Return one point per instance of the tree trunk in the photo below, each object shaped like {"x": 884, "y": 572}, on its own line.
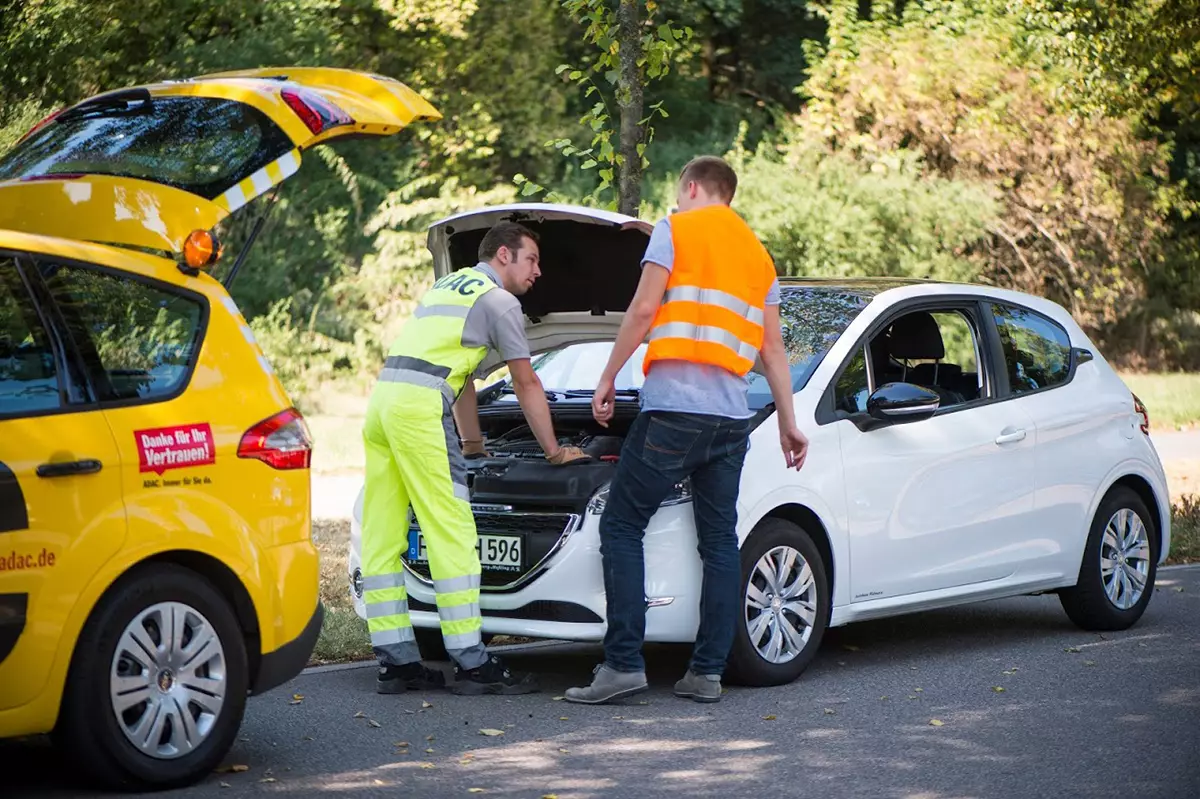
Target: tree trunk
{"x": 629, "y": 92}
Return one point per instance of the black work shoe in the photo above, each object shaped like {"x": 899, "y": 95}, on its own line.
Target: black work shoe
{"x": 493, "y": 677}
{"x": 409, "y": 677}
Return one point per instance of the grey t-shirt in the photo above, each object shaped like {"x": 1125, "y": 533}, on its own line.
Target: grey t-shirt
{"x": 496, "y": 321}
{"x": 683, "y": 386}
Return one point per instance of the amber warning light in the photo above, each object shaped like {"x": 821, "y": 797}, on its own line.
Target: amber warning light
{"x": 201, "y": 249}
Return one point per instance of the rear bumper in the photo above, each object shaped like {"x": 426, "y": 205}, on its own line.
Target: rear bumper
{"x": 290, "y": 659}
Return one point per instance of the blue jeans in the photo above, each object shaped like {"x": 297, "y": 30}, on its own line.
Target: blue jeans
{"x": 661, "y": 450}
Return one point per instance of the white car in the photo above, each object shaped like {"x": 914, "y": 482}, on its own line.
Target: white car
{"x": 967, "y": 443}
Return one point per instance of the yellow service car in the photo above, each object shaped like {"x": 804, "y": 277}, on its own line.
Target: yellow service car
{"x": 156, "y": 562}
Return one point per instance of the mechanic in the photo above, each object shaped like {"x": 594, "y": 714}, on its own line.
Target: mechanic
{"x": 709, "y": 299}
{"x": 414, "y": 457}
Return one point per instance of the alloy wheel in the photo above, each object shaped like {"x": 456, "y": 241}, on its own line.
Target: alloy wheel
{"x": 168, "y": 680}
{"x": 780, "y": 604}
{"x": 1125, "y": 558}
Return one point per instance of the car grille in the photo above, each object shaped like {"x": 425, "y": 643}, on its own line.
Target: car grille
{"x": 541, "y": 532}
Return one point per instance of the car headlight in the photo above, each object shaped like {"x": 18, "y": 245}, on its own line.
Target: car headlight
{"x": 682, "y": 492}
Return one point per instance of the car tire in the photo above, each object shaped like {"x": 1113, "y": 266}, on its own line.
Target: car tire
{"x": 747, "y": 664}
{"x": 1089, "y": 603}
{"x": 133, "y": 610}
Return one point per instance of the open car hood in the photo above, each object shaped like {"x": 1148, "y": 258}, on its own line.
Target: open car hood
{"x": 145, "y": 166}
{"x": 590, "y": 262}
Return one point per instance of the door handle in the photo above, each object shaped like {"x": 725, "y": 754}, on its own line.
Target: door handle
{"x": 1011, "y": 438}
{"x": 69, "y": 468}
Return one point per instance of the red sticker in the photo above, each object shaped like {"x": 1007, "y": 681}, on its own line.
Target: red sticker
{"x": 175, "y": 447}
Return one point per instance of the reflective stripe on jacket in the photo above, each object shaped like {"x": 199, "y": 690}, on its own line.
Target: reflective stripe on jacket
{"x": 429, "y": 350}
{"x": 712, "y": 312}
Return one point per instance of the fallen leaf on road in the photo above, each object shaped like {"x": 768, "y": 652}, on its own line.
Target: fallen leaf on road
{"x": 1009, "y": 672}
{"x": 829, "y": 711}
{"x": 998, "y": 689}
{"x": 491, "y": 732}
{"x": 565, "y": 751}
{"x": 912, "y": 696}
{"x": 935, "y": 723}
{"x": 912, "y": 668}
{"x": 1089, "y": 663}
{"x": 769, "y": 718}
{"x": 308, "y": 738}
{"x": 883, "y": 697}
{"x": 425, "y": 704}
{"x": 267, "y": 779}
{"x": 841, "y": 663}
{"x": 1072, "y": 649}
{"x": 429, "y": 751}
{"x": 410, "y": 712}
{"x": 644, "y": 702}
{"x": 400, "y": 743}
{"x": 549, "y": 796}
{"x": 618, "y": 718}
{"x": 559, "y": 698}
{"x": 476, "y": 790}
{"x": 428, "y": 765}
{"x": 237, "y": 768}
{"x": 1179, "y": 589}
{"x": 918, "y": 690}
{"x": 429, "y": 737}
{"x": 225, "y": 785}
{"x": 563, "y": 718}
{"x": 379, "y": 782}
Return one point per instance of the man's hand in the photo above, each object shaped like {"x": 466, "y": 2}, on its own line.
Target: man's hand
{"x": 795, "y": 446}
{"x": 474, "y": 449}
{"x": 565, "y": 455}
{"x": 603, "y": 401}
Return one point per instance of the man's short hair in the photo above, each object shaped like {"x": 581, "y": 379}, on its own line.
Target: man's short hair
{"x": 711, "y": 172}
{"x": 504, "y": 234}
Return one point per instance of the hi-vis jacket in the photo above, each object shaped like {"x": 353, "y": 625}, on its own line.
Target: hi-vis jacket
{"x": 712, "y": 312}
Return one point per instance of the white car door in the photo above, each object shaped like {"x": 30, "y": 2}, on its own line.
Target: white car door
{"x": 945, "y": 501}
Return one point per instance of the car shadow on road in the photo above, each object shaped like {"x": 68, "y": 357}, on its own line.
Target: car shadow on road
{"x": 831, "y": 729}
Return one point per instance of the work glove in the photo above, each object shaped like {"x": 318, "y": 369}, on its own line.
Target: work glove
{"x": 567, "y": 455}
{"x": 474, "y": 449}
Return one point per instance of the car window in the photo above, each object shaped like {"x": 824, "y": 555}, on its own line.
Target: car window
{"x": 1037, "y": 351}
{"x": 937, "y": 350}
{"x": 28, "y": 377}
{"x": 579, "y": 366}
{"x": 851, "y": 389}
{"x": 141, "y": 338}
{"x": 202, "y": 145}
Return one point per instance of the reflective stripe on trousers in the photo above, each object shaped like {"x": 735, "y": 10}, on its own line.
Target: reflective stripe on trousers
{"x": 410, "y": 461}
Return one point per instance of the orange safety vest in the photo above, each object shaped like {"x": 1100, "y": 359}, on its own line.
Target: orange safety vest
{"x": 712, "y": 312}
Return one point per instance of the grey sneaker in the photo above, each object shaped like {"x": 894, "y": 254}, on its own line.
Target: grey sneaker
{"x": 699, "y": 687}
{"x": 608, "y": 685}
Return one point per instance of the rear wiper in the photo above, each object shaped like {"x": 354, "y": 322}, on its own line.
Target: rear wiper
{"x": 110, "y": 104}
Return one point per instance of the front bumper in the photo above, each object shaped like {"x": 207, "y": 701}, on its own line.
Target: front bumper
{"x": 566, "y": 601}
{"x": 290, "y": 659}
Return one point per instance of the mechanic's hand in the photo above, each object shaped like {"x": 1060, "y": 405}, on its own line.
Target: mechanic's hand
{"x": 565, "y": 455}
{"x": 474, "y": 449}
{"x": 795, "y": 447}
{"x": 603, "y": 401}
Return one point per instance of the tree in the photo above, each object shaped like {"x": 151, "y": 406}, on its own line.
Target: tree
{"x": 632, "y": 51}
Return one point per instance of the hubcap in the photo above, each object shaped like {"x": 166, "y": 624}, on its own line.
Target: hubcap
{"x": 1125, "y": 559}
{"x": 780, "y": 604}
{"x": 168, "y": 680}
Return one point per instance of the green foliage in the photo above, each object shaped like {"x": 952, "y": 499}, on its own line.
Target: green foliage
{"x": 660, "y": 43}
{"x": 831, "y": 215}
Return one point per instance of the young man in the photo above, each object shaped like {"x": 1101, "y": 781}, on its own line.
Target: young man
{"x": 414, "y": 456}
{"x": 709, "y": 300}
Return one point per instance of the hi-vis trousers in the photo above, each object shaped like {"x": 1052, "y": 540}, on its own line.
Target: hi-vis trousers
{"x": 413, "y": 456}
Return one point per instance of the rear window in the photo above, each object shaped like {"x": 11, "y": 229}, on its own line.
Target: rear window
{"x": 203, "y": 145}
{"x": 141, "y": 340}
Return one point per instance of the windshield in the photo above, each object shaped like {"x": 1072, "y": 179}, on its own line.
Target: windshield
{"x": 203, "y": 145}
{"x": 813, "y": 319}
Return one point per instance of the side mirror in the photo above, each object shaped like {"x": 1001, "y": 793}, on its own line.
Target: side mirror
{"x": 902, "y": 403}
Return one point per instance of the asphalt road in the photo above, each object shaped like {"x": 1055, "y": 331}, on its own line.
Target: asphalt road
{"x": 1081, "y": 715}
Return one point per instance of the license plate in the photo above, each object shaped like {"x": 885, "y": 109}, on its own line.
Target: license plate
{"x": 496, "y": 552}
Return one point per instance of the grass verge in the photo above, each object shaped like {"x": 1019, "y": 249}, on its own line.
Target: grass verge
{"x": 344, "y": 635}
{"x": 1185, "y": 530}
{"x": 1173, "y": 399}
